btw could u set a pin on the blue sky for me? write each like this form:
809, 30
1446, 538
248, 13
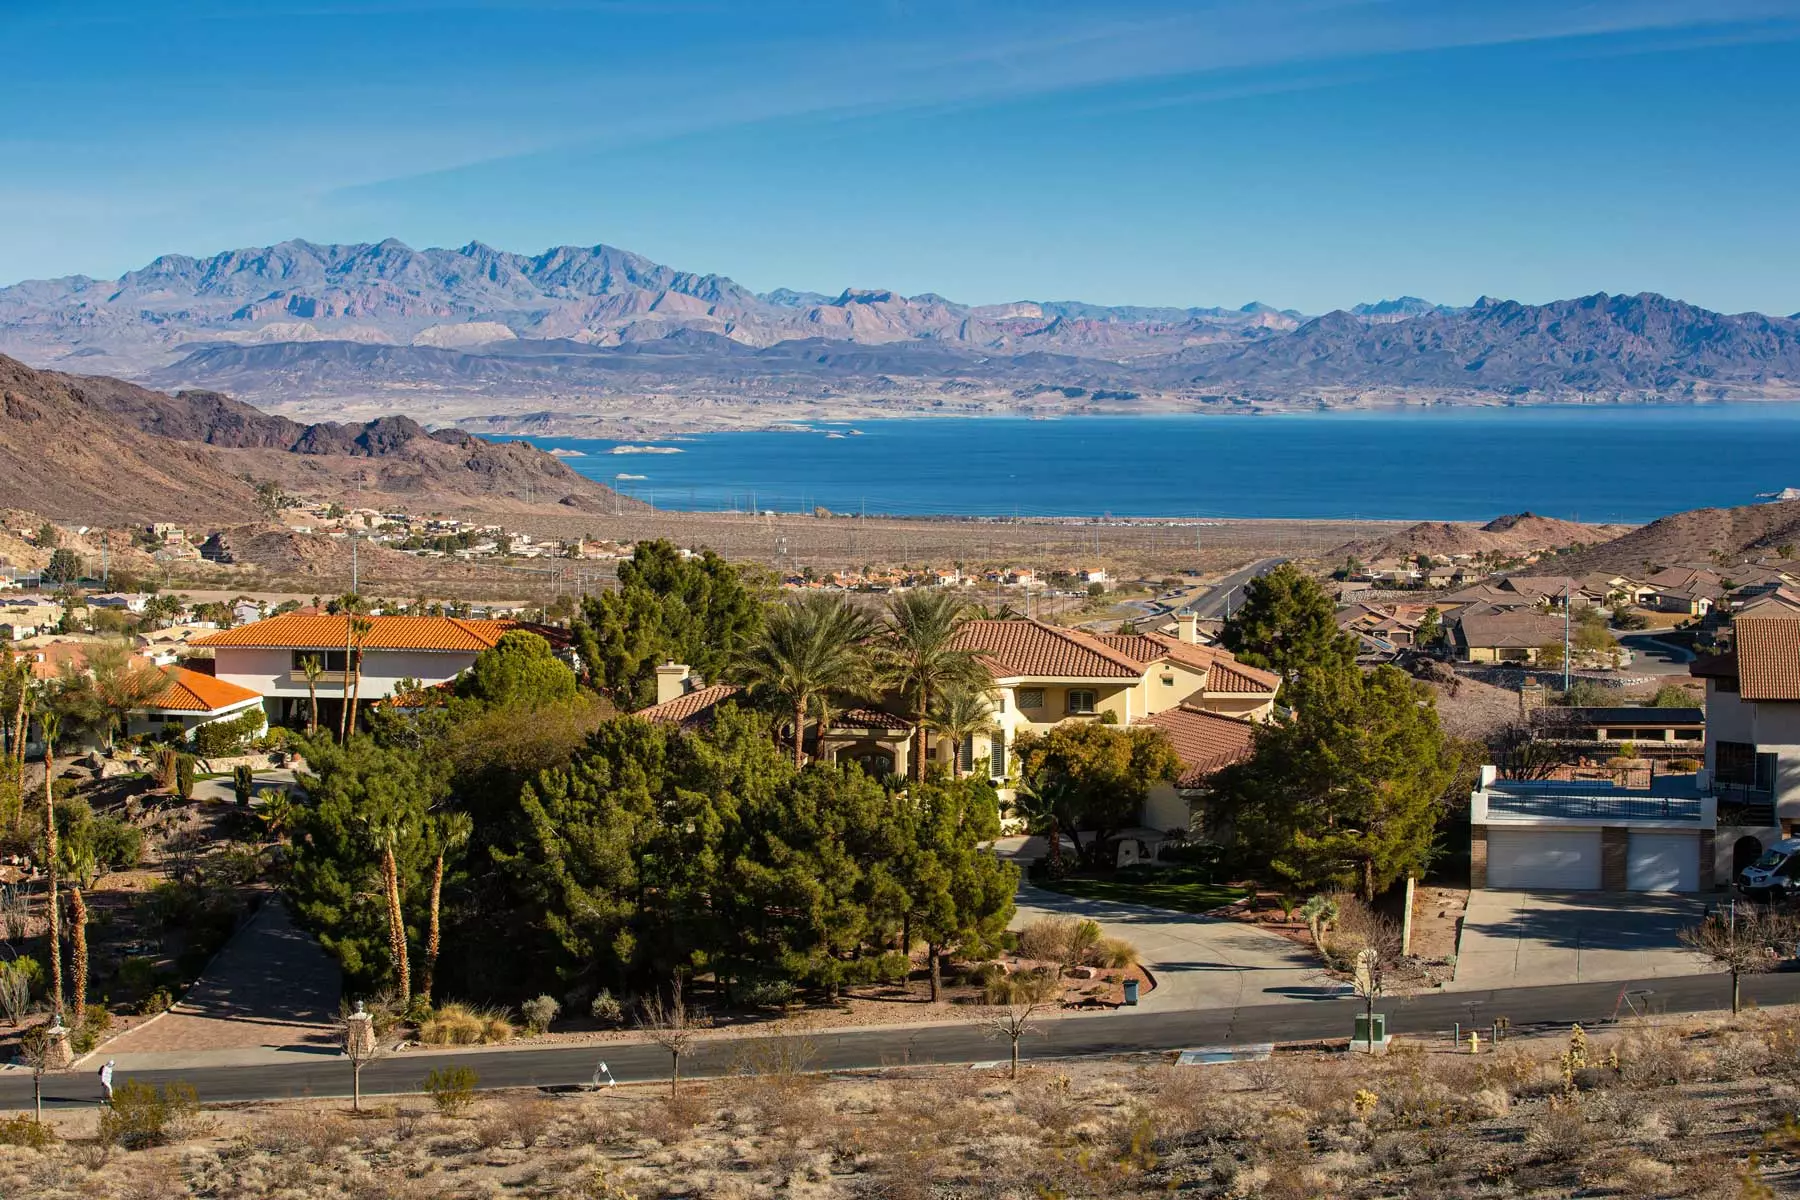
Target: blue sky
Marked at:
1307, 153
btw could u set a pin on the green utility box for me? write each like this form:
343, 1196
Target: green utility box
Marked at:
1363, 1037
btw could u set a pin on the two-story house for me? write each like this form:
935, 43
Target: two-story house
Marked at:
269, 657
1753, 724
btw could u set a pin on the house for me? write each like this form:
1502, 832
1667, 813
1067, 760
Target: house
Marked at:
191, 700
268, 657
1486, 635
1205, 742
1545, 589
1688, 590
1588, 836
1753, 717
1776, 601
1043, 675
1604, 588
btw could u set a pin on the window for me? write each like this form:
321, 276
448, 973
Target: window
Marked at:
997, 755
1739, 765
1168, 681
1031, 697
1081, 700
331, 660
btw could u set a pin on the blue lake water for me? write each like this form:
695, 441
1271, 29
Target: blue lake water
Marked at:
1592, 463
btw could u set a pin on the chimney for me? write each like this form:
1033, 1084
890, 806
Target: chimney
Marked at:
1187, 626
672, 681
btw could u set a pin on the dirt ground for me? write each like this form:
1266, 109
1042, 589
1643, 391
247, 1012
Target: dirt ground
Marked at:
1666, 1109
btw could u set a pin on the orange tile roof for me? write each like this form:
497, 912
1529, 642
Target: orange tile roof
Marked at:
190, 691
693, 708
302, 631
1768, 656
1031, 648
870, 718
1204, 741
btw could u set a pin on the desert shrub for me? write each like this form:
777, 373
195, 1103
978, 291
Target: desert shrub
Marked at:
15, 992
137, 974
496, 1026
218, 739
452, 1089
518, 1119
606, 1008
983, 975
538, 1013
1047, 938
116, 844
1684, 766
764, 993
184, 776
142, 1115
22, 1130
158, 1000
1112, 953
452, 1024
1027, 987
94, 1024
892, 967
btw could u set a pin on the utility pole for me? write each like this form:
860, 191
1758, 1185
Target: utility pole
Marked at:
353, 573
1565, 639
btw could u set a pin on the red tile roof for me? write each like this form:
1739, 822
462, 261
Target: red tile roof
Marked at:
1012, 649
870, 718
190, 691
693, 708
1236, 678
1768, 656
300, 631
1204, 741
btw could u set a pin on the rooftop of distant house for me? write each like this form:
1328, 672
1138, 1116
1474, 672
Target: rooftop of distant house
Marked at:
309, 631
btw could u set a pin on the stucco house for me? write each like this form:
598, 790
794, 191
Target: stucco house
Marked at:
191, 700
1505, 635
267, 657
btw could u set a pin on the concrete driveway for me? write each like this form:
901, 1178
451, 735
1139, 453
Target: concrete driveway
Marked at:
1199, 962
1650, 655
1512, 939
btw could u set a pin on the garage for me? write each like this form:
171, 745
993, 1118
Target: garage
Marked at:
1662, 862
1561, 859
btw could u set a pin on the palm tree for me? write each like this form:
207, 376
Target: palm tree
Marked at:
920, 657
360, 629
314, 669
20, 670
52, 727
386, 835
959, 713
1042, 798
809, 649
452, 832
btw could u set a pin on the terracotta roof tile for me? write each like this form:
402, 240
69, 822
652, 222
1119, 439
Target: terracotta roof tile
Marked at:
693, 708
870, 718
190, 691
1204, 741
298, 631
1033, 649
1768, 657
1236, 678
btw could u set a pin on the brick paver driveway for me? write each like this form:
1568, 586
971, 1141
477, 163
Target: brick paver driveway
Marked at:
272, 986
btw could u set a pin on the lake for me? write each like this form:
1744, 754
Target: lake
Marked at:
1590, 463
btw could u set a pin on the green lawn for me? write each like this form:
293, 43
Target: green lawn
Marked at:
1178, 888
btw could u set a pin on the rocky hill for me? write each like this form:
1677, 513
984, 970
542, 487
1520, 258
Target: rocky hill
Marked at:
92, 449
382, 322
1750, 532
1513, 534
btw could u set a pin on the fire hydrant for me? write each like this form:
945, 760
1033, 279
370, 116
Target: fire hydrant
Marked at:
1474, 1042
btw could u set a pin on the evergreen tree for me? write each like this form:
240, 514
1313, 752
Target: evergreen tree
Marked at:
958, 893
521, 668
1346, 792
1287, 622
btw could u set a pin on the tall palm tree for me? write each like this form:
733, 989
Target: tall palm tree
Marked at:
451, 833
20, 672
360, 629
811, 648
959, 713
51, 724
920, 657
314, 669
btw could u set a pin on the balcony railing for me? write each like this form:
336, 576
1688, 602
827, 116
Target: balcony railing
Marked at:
1595, 807
327, 681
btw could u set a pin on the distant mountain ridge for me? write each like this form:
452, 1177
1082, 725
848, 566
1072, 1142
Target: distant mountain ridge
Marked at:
405, 328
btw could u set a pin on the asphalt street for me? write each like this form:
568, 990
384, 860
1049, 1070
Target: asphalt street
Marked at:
864, 1049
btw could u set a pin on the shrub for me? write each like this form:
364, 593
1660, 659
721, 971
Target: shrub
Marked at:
1047, 938
118, 844
1113, 953
218, 739
22, 1130
242, 780
893, 967
765, 993
184, 777
496, 1027
94, 1024
141, 1115
157, 1001
451, 1024
452, 1089
606, 1009
1684, 766
539, 1013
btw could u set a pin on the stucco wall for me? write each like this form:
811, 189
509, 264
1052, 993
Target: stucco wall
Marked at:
268, 672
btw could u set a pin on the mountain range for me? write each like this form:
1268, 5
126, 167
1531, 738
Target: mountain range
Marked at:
475, 333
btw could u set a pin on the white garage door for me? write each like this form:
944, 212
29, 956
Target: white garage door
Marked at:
1663, 862
1560, 859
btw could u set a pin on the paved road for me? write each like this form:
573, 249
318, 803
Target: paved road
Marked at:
1228, 593
1650, 655
1066, 1037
